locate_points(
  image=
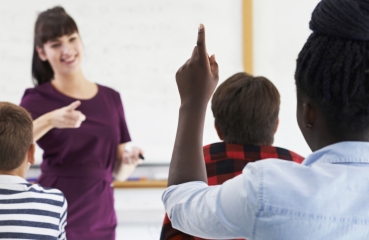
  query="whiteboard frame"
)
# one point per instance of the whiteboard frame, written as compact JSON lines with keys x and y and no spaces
{"x":247,"y":36}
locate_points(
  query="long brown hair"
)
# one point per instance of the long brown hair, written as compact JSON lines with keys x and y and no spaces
{"x":52,"y":23}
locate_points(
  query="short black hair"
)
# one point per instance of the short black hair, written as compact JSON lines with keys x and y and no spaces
{"x":333,"y":66}
{"x":246,"y":109}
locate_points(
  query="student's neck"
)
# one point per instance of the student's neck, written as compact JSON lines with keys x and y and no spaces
{"x":16,"y":172}
{"x":324,"y":141}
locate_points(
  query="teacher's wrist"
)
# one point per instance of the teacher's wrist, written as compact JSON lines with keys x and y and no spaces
{"x":49,"y":119}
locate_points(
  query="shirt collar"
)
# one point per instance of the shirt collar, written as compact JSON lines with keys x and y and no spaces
{"x":11,"y":179}
{"x":342,"y":152}
{"x":251,"y":153}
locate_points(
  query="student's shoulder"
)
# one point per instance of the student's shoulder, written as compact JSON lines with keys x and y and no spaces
{"x":50,"y":197}
{"x":49,"y":193}
{"x":275,"y":171}
{"x":276,"y":175}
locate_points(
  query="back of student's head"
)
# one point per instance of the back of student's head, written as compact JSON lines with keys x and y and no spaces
{"x":16,"y":135}
{"x":246,"y":110}
{"x":333,"y":67}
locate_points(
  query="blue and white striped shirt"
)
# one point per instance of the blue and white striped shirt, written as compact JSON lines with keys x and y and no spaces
{"x":29,"y":211}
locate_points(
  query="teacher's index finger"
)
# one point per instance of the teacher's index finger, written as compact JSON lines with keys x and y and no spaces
{"x":201,"y":45}
{"x":73,"y":105}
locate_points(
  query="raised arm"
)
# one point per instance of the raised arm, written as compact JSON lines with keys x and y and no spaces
{"x":196,"y":81}
{"x":66,"y":117}
{"x":193,"y":207}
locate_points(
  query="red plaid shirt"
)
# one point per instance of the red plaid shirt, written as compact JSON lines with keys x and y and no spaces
{"x":223,"y":162}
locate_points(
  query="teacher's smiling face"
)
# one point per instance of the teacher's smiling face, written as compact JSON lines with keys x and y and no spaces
{"x":64,"y":54}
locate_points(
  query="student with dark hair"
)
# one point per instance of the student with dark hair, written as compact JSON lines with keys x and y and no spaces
{"x":27,"y":211}
{"x":80,"y":126}
{"x":325,"y":197}
{"x":246,"y":110}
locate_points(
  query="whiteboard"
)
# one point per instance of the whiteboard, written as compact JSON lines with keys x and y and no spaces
{"x":135,"y":47}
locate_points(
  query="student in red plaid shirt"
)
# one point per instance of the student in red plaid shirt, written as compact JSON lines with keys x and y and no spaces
{"x":246,"y":110}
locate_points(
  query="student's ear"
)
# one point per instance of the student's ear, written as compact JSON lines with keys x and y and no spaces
{"x":308,"y":114}
{"x":220,"y":135}
{"x":276,"y":126}
{"x":41,"y":53}
{"x":31,"y":154}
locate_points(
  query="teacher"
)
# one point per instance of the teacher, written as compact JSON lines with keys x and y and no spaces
{"x":81,"y":127}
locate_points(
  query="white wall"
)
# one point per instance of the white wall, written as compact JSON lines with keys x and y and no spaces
{"x":137,"y":46}
{"x":281,"y":28}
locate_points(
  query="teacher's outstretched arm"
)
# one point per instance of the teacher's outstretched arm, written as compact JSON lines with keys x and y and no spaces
{"x":66,"y":117}
{"x":196,"y":81}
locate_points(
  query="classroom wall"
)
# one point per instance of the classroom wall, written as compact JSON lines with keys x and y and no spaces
{"x":280,"y":29}
{"x":134,"y":47}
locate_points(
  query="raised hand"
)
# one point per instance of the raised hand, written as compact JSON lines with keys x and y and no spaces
{"x":196,"y":81}
{"x":198,"y":77}
{"x":68,"y":117}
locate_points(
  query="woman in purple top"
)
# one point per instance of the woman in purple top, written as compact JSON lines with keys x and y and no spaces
{"x":80,"y":126}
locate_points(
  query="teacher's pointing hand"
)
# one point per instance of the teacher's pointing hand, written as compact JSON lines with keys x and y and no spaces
{"x":68,"y":117}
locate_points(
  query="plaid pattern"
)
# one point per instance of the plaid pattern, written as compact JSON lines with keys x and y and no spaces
{"x":223,"y":162}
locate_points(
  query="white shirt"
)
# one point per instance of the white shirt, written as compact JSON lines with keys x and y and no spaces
{"x":326,"y":197}
{"x":28,"y":211}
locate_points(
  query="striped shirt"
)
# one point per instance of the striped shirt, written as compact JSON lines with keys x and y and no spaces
{"x":28,"y":211}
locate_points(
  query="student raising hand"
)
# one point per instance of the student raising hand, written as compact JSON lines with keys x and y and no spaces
{"x":196,"y":81}
{"x":198,"y":77}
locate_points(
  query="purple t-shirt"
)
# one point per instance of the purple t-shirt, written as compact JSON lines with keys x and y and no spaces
{"x":80,"y":161}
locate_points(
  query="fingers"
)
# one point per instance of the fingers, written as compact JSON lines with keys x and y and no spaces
{"x":126,"y":158}
{"x":132,"y":157}
{"x":201,"y":45}
{"x":141,"y":154}
{"x":71,"y":120}
{"x":214,"y":66}
{"x":68,"y":117}
{"x":82,"y":117}
{"x":70,"y":124}
{"x":75,"y":116}
{"x":142,"y":151}
{"x":135,"y":154}
{"x":194,"y":54}
{"x":73,"y":105}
